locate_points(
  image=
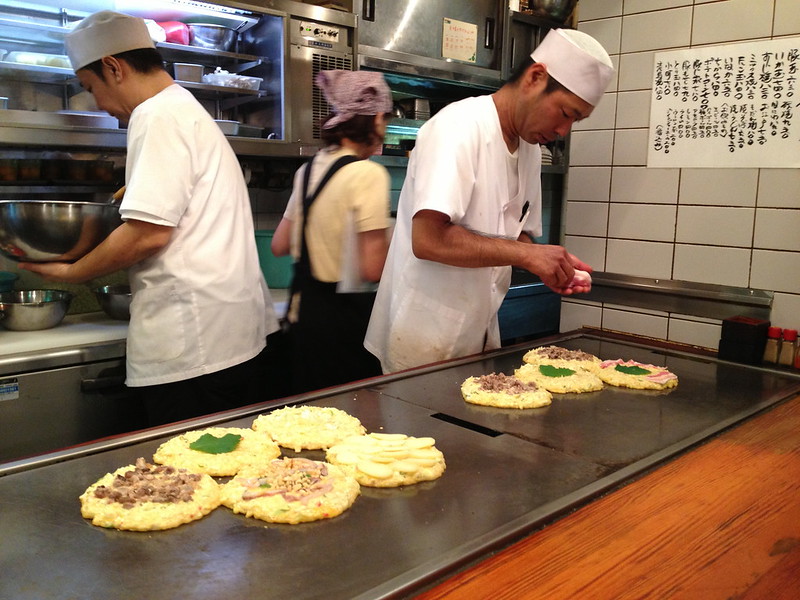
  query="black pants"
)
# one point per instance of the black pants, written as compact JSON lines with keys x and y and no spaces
{"x":327,"y":342}
{"x":230,"y":388}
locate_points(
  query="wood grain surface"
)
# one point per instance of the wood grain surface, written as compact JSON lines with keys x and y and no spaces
{"x":719,"y":522}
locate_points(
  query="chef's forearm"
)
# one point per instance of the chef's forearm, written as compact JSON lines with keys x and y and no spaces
{"x":129,"y":244}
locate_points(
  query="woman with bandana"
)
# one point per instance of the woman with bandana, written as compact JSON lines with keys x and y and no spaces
{"x":336,"y":228}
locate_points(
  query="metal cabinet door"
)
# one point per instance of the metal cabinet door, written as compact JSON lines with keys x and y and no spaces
{"x":49,"y":410}
{"x":415,"y":27}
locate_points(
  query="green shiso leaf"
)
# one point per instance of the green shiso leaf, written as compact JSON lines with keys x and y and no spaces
{"x":634,"y":370}
{"x":216,"y":445}
{"x":551,"y":371}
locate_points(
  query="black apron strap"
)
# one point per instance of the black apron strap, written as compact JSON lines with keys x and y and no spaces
{"x":302,"y":268}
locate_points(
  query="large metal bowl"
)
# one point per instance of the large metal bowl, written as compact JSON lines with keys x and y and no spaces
{"x":554,"y":9}
{"x":211,"y":36}
{"x":30,"y":310}
{"x":115,"y":300}
{"x":53,"y":230}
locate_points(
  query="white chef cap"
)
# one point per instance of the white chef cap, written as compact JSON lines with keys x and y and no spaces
{"x":577,"y":61}
{"x":105,"y":33}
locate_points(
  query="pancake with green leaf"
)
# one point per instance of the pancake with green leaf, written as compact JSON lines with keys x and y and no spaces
{"x":559,"y":380}
{"x":636,"y":375}
{"x":217,"y":451}
{"x":562,"y":358}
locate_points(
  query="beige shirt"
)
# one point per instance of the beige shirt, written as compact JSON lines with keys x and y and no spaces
{"x":360,"y":189}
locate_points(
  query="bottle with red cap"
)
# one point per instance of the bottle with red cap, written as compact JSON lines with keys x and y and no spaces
{"x":773,"y":347}
{"x":788,"y":348}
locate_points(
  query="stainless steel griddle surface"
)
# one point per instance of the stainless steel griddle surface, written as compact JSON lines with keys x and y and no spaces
{"x":508,"y":473}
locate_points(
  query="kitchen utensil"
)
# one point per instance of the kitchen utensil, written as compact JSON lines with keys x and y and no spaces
{"x":116,"y":197}
{"x":31,"y":310}
{"x":7,"y":280}
{"x":211,"y":36}
{"x":54,"y":230}
{"x":558,"y":10}
{"x":115,"y":300}
{"x":228,"y":127}
{"x":188,"y":72}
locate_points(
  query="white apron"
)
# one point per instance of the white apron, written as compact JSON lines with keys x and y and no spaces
{"x":426,"y":311}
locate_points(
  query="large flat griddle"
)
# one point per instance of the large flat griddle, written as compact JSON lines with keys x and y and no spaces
{"x":508,"y":473}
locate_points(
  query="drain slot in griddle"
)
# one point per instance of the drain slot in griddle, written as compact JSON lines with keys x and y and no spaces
{"x":467,"y":424}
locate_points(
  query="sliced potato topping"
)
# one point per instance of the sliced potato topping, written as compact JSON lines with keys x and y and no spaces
{"x":380,"y":455}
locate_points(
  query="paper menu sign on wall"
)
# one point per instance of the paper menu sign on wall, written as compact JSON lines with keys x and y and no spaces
{"x":459,"y":40}
{"x":736,"y":105}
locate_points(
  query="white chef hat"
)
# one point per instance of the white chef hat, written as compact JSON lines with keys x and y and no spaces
{"x":577,"y":61}
{"x":105,"y":33}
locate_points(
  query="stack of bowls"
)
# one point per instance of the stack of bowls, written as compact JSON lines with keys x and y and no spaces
{"x":31,"y":310}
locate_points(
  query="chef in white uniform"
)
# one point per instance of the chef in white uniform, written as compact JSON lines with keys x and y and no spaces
{"x":201,"y":310}
{"x":470,"y":203}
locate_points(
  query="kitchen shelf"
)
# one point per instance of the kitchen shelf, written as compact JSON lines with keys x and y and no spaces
{"x":234,"y":61}
{"x":35,"y":33}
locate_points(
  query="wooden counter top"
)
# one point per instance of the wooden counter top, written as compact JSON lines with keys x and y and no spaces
{"x":721,"y":521}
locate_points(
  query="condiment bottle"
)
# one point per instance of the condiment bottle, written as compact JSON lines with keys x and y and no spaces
{"x":772,"y":349}
{"x":788,"y":347}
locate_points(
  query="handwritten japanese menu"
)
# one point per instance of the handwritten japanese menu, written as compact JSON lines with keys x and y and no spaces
{"x":736,"y":105}
{"x":459,"y":40}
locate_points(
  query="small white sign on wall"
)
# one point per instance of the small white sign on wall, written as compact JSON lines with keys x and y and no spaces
{"x":736,"y":105}
{"x":459,"y":40}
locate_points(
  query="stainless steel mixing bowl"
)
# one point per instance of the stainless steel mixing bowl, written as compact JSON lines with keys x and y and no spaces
{"x":554,"y":9}
{"x":29,"y":310}
{"x":54,"y":230}
{"x":115,"y":300}
{"x":209,"y":35}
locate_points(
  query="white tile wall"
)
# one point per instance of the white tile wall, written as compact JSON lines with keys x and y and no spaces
{"x":588,"y":183}
{"x":733,"y":227}
{"x":636,"y":71}
{"x":603,"y":116}
{"x":702,"y":225}
{"x":640,"y":259}
{"x":649,"y":222}
{"x":786,"y":310}
{"x":732,"y":20}
{"x":630,"y":147}
{"x":640,"y":184}
{"x":787,"y":17}
{"x":719,"y":187}
{"x":712,"y":264}
{"x":633,"y":109}
{"x":587,"y":218}
{"x":646,"y":323}
{"x":656,"y":30}
{"x":777,"y":229}
{"x":695,"y":331}
{"x":599,"y":9}
{"x":591,"y":148}
{"x":779,"y":188}
{"x":591,"y":250}
{"x":575,"y":315}
{"x":778,"y":271}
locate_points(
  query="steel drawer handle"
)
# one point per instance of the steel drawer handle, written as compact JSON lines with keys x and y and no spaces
{"x":488,"y":37}
{"x":368,"y":10}
{"x":98,"y":384}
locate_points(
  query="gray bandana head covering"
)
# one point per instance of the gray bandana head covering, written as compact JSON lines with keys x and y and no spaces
{"x":352,"y":93}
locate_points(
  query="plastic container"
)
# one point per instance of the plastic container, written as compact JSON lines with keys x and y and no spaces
{"x":188,"y":72}
{"x":773,"y":346}
{"x":7,"y":279}
{"x":232,"y":80}
{"x":788,"y":348}
{"x":228,"y":127}
{"x":277,"y":269}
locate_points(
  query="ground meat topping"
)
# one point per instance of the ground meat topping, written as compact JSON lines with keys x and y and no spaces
{"x":150,"y":483}
{"x":558,"y":353}
{"x":499,"y":382}
{"x":293,"y":478}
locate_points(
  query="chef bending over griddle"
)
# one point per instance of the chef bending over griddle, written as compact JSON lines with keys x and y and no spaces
{"x":471,"y":203}
{"x":201,"y":310}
